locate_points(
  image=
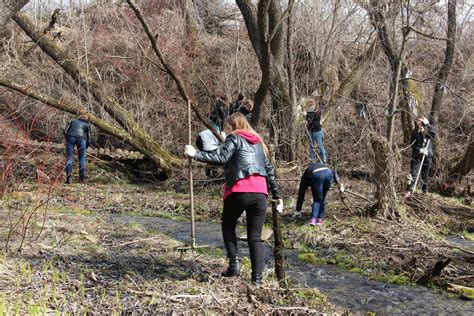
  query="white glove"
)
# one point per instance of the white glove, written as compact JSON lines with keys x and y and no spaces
{"x":425,"y":121}
{"x":341,"y":187}
{"x":424,"y":151}
{"x":279,"y":206}
{"x":296,"y":215}
{"x":190,"y":151}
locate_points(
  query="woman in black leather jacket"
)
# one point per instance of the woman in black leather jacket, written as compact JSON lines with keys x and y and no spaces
{"x":248,"y":177}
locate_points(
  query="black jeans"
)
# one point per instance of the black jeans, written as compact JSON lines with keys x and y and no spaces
{"x":255,"y":205}
{"x":425,"y":172}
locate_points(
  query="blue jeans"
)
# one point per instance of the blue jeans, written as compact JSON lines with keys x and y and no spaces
{"x":316,"y":138}
{"x":321,"y":181}
{"x":81,"y":145}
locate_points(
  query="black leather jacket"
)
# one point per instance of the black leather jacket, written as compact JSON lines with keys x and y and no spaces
{"x":240,"y":160}
{"x":419,"y":139}
{"x":78,"y":128}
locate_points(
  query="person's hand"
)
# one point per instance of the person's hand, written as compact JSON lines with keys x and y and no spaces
{"x":341,"y":188}
{"x":425,"y":121}
{"x":190,"y":151}
{"x":279,"y":206}
{"x":424,"y":151}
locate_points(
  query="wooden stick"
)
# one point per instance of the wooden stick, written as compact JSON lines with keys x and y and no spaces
{"x":191,"y":193}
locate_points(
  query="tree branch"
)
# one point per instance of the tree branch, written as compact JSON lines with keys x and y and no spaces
{"x":168,"y":68}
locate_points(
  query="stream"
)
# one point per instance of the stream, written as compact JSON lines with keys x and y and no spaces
{"x":345,"y":289}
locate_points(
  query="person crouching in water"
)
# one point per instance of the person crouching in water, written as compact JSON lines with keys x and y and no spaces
{"x":248,"y":176}
{"x":320,"y":178}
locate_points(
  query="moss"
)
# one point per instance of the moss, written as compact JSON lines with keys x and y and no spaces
{"x":210,"y":251}
{"x":312,"y":295}
{"x":414,"y":90}
{"x":462,"y":291}
{"x":357,"y":270}
{"x":309,"y":258}
{"x":245,"y":264}
{"x":468,"y":235}
{"x":394,"y":278}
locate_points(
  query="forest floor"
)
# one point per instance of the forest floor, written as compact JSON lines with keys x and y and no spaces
{"x":73,"y":259}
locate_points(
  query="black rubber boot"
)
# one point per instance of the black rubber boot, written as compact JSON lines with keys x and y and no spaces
{"x":257,"y":279}
{"x":68,"y":180}
{"x":233,"y":269}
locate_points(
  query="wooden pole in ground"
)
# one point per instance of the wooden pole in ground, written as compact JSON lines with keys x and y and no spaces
{"x":191,"y":192}
{"x":277,"y":231}
{"x":278,"y":245}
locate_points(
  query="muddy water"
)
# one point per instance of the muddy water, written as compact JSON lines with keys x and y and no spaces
{"x":345,"y":289}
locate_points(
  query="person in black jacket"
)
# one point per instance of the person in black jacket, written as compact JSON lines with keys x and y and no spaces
{"x":248,"y":176}
{"x":235,"y":107}
{"x":315,"y":131}
{"x":77,"y":134}
{"x":247,"y":108}
{"x":422,"y":146}
{"x":320,"y":178}
{"x":219,"y":113}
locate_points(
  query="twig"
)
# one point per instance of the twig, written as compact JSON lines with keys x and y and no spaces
{"x":132,"y":242}
{"x":133,"y":282}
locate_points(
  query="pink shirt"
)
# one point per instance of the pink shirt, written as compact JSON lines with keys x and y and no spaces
{"x":251,"y":184}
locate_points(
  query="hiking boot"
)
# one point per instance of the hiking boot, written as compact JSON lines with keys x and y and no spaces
{"x":82,"y":179}
{"x":312,"y":222}
{"x":257,"y":279}
{"x":68,"y":180}
{"x":319,"y":221}
{"x":233,"y":269}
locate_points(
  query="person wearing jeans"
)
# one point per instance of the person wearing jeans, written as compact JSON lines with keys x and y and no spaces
{"x":316,"y":139}
{"x":77,"y":134}
{"x":248,"y":178}
{"x":320,"y":178}
{"x":315,"y":131}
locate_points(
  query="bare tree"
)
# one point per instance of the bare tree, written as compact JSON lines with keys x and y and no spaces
{"x":143,"y":142}
{"x":440,"y":86}
{"x":265,"y":26}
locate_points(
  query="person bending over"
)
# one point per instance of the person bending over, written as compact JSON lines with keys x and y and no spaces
{"x":320,"y":178}
{"x":77,"y":134}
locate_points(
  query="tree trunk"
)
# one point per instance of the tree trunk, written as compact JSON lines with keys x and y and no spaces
{"x":265,"y":28}
{"x":446,"y":67}
{"x":386,"y":164}
{"x":291,"y":86}
{"x":440,"y":86}
{"x":149,"y":146}
{"x":463,"y":166}
{"x":8,"y":8}
{"x":407,"y":106}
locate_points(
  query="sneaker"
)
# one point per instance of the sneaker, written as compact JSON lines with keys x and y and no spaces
{"x":68,"y":180}
{"x":319,"y":221}
{"x":312,"y":222}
